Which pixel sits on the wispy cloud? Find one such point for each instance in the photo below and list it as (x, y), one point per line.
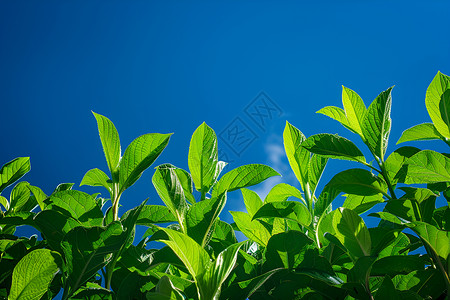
(277, 159)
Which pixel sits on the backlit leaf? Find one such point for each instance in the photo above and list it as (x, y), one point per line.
(110, 141)
(96, 177)
(437, 102)
(335, 113)
(355, 109)
(13, 171)
(290, 210)
(298, 157)
(420, 132)
(254, 230)
(281, 192)
(427, 166)
(251, 200)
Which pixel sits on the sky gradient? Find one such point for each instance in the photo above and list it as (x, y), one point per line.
(168, 66)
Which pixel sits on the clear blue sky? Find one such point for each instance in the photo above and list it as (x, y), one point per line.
(168, 66)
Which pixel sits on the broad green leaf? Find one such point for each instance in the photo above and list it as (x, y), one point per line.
(335, 113)
(286, 249)
(33, 274)
(406, 209)
(282, 192)
(360, 204)
(252, 201)
(13, 171)
(203, 157)
(352, 232)
(427, 166)
(165, 290)
(152, 214)
(333, 146)
(298, 157)
(96, 177)
(63, 187)
(210, 284)
(19, 196)
(326, 197)
(39, 195)
(87, 250)
(254, 230)
(376, 125)
(110, 141)
(358, 182)
(386, 216)
(186, 182)
(387, 290)
(429, 284)
(420, 132)
(290, 210)
(193, 256)
(315, 170)
(170, 190)
(397, 264)
(244, 289)
(201, 217)
(139, 155)
(78, 205)
(243, 176)
(438, 240)
(355, 110)
(437, 101)
(4, 202)
(394, 164)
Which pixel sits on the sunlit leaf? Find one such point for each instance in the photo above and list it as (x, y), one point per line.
(394, 164)
(96, 177)
(13, 171)
(298, 157)
(254, 230)
(335, 113)
(290, 210)
(316, 167)
(437, 101)
(427, 166)
(281, 192)
(110, 141)
(420, 132)
(252, 201)
(355, 110)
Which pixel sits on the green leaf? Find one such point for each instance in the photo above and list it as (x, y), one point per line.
(13, 171)
(376, 125)
(358, 182)
(139, 155)
(282, 192)
(387, 290)
(96, 177)
(290, 210)
(4, 202)
(87, 250)
(33, 274)
(397, 264)
(78, 205)
(394, 164)
(210, 284)
(152, 214)
(355, 110)
(170, 190)
(286, 249)
(193, 256)
(165, 290)
(316, 167)
(110, 141)
(254, 230)
(243, 176)
(437, 102)
(352, 232)
(336, 113)
(427, 166)
(93, 291)
(420, 132)
(298, 156)
(438, 240)
(39, 195)
(333, 146)
(186, 182)
(251, 200)
(201, 217)
(20, 195)
(203, 157)
(360, 204)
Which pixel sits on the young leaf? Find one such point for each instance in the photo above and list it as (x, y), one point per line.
(96, 177)
(201, 217)
(13, 171)
(333, 146)
(20, 195)
(437, 101)
(4, 202)
(203, 157)
(139, 155)
(110, 141)
(290, 210)
(254, 230)
(394, 164)
(355, 110)
(243, 176)
(360, 204)
(152, 214)
(421, 132)
(298, 157)
(377, 124)
(352, 232)
(39, 195)
(315, 170)
(33, 274)
(335, 113)
(251, 200)
(281, 192)
(169, 188)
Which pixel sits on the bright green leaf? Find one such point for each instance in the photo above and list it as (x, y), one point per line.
(427, 166)
(335, 113)
(437, 102)
(96, 177)
(13, 171)
(281, 192)
(420, 132)
(298, 156)
(355, 110)
(254, 230)
(290, 210)
(110, 141)
(252, 201)
(360, 204)
(315, 170)
(394, 164)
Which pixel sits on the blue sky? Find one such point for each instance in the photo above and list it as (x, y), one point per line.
(168, 66)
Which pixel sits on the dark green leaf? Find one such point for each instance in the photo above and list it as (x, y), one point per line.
(397, 264)
(358, 182)
(387, 290)
(287, 210)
